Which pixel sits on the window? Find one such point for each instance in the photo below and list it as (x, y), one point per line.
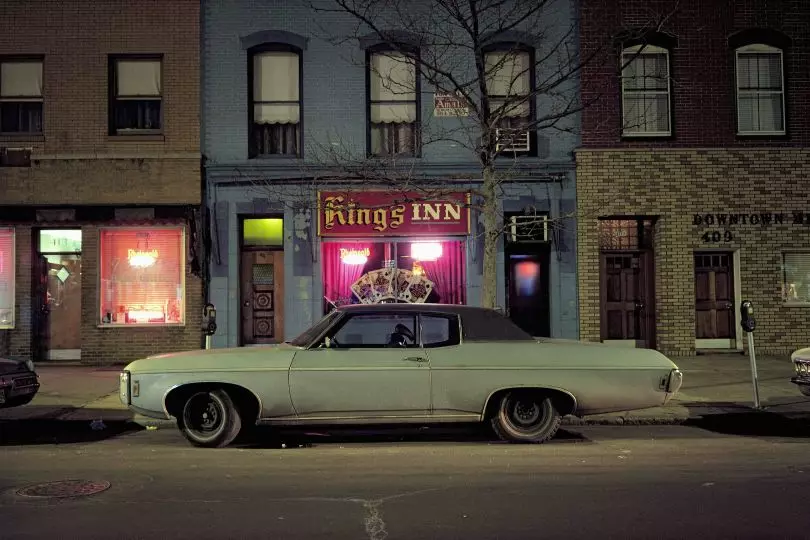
(645, 91)
(796, 277)
(439, 330)
(377, 330)
(760, 91)
(393, 104)
(275, 124)
(7, 278)
(510, 82)
(21, 96)
(142, 272)
(625, 234)
(136, 100)
(263, 232)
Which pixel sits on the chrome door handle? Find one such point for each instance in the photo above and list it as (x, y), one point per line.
(419, 359)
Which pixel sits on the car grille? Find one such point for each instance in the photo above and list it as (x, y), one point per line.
(21, 382)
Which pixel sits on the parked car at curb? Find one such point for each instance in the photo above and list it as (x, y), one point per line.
(801, 363)
(398, 364)
(19, 382)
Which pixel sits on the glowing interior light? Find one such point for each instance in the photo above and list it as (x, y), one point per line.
(426, 251)
(144, 315)
(354, 256)
(142, 259)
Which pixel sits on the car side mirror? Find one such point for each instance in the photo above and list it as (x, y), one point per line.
(327, 342)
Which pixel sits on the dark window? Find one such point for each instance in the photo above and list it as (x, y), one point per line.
(510, 87)
(490, 325)
(376, 330)
(393, 104)
(275, 114)
(21, 96)
(625, 234)
(439, 330)
(136, 95)
(645, 91)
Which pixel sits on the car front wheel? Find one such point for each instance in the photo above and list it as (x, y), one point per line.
(210, 419)
(526, 417)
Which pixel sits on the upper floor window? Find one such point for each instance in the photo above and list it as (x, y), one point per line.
(510, 85)
(760, 91)
(393, 104)
(645, 91)
(136, 95)
(21, 96)
(275, 113)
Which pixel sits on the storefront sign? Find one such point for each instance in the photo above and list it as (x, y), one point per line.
(758, 218)
(142, 259)
(449, 104)
(382, 213)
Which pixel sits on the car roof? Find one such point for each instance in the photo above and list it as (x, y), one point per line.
(421, 307)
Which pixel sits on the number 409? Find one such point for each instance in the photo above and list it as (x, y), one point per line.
(717, 236)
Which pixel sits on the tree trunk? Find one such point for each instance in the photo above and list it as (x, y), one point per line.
(489, 293)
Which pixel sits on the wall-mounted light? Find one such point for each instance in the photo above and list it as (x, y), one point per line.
(354, 256)
(142, 259)
(426, 251)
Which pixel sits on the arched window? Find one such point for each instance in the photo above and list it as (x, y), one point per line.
(645, 91)
(760, 90)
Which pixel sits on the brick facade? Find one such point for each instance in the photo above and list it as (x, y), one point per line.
(76, 164)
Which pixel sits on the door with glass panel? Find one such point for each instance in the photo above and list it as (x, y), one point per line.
(59, 315)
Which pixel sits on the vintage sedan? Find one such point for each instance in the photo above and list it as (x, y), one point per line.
(19, 382)
(801, 364)
(398, 364)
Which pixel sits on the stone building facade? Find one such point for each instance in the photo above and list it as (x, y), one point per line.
(692, 188)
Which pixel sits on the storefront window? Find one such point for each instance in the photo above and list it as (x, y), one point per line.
(409, 271)
(7, 278)
(141, 274)
(796, 277)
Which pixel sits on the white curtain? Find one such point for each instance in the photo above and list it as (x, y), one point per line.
(393, 78)
(138, 78)
(508, 73)
(276, 78)
(21, 79)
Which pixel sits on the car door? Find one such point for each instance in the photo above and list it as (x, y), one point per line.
(361, 374)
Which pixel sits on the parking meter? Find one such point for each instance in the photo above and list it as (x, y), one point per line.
(747, 316)
(209, 320)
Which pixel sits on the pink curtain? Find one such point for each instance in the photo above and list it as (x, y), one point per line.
(447, 272)
(337, 275)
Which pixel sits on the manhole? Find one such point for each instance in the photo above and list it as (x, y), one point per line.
(64, 488)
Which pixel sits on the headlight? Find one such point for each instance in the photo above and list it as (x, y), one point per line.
(123, 383)
(30, 365)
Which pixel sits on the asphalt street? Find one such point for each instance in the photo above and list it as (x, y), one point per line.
(591, 482)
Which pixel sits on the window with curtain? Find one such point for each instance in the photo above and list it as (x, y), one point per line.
(760, 91)
(21, 96)
(141, 275)
(645, 91)
(137, 95)
(509, 85)
(393, 104)
(275, 125)
(7, 278)
(796, 277)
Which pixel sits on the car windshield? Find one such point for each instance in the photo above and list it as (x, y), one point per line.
(306, 337)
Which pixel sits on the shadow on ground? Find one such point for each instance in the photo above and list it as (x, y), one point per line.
(55, 431)
(268, 437)
(735, 419)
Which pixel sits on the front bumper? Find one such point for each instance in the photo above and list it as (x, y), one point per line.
(18, 388)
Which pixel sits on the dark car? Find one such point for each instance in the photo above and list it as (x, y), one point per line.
(19, 382)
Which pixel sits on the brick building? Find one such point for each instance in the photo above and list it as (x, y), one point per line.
(276, 93)
(692, 177)
(100, 181)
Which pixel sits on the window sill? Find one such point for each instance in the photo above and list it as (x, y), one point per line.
(22, 137)
(140, 325)
(137, 137)
(762, 134)
(796, 304)
(6, 327)
(657, 135)
(276, 156)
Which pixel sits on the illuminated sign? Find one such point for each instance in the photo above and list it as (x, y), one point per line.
(142, 259)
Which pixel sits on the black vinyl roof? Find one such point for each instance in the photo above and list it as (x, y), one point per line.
(477, 323)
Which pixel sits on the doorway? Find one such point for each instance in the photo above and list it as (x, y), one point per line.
(261, 282)
(527, 254)
(715, 325)
(57, 292)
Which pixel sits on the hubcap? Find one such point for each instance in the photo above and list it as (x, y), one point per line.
(203, 414)
(525, 412)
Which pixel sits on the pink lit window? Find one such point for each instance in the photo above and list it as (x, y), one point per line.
(7, 278)
(141, 275)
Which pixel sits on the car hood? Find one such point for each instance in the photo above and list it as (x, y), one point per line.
(232, 358)
(801, 354)
(11, 366)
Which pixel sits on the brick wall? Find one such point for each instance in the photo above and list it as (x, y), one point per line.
(702, 68)
(674, 185)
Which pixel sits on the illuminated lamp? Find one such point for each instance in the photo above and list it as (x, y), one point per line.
(142, 259)
(426, 251)
(144, 315)
(354, 256)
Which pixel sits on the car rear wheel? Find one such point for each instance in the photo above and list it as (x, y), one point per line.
(210, 419)
(526, 417)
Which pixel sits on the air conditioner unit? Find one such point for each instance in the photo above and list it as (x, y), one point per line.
(15, 157)
(511, 140)
(528, 228)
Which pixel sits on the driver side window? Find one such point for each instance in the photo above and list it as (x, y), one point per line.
(375, 330)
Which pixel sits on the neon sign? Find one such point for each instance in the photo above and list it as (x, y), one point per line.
(142, 259)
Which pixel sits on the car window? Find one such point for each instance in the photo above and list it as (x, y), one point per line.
(377, 330)
(439, 330)
(306, 337)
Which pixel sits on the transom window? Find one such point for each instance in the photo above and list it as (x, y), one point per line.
(509, 85)
(137, 95)
(625, 234)
(645, 91)
(393, 104)
(760, 91)
(21, 96)
(275, 125)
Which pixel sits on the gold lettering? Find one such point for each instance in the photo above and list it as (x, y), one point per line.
(416, 214)
(380, 219)
(452, 212)
(364, 216)
(431, 211)
(330, 212)
(397, 215)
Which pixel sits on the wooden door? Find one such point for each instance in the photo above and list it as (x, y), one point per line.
(714, 298)
(262, 286)
(628, 313)
(40, 309)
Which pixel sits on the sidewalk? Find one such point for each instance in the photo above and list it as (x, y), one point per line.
(713, 385)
